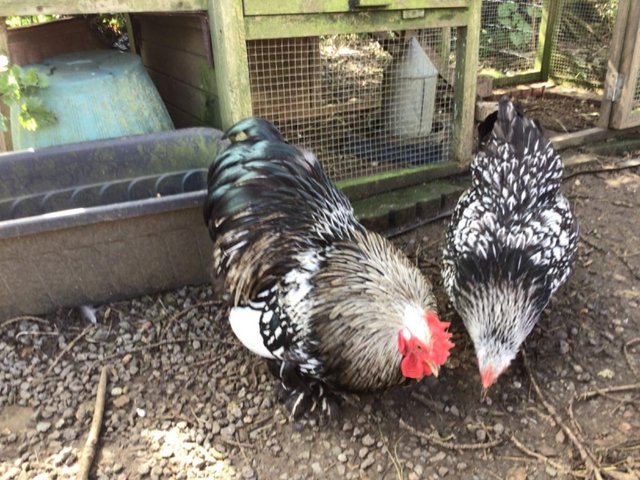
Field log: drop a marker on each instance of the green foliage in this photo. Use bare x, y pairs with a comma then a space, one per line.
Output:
20, 87
512, 28
13, 22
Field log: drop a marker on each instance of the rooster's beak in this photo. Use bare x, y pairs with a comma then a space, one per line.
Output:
435, 369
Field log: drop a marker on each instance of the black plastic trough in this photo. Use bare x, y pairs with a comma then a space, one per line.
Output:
100, 221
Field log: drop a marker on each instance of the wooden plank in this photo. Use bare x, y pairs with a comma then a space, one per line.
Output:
363, 187
180, 95
630, 69
269, 26
65, 7
548, 25
231, 62
517, 79
575, 139
184, 66
468, 44
613, 64
178, 36
261, 7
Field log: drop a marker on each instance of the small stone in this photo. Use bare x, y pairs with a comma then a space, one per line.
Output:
166, 452
560, 437
461, 466
316, 468
121, 401
564, 347
413, 476
144, 469
363, 452
367, 462
552, 472
442, 471
498, 428
438, 457
117, 468
228, 431
43, 427
454, 411
12, 473
341, 470
247, 472
342, 458
368, 440
481, 435
126, 359
116, 391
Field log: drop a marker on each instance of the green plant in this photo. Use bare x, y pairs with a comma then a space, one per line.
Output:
19, 87
518, 26
13, 22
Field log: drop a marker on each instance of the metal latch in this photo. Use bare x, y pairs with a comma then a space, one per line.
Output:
615, 82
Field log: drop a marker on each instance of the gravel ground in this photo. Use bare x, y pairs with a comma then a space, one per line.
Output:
185, 400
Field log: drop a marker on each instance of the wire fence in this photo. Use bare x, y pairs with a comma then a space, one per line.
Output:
509, 35
363, 103
581, 41
636, 96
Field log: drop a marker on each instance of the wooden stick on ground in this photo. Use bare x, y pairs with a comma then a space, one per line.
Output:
89, 450
68, 347
450, 445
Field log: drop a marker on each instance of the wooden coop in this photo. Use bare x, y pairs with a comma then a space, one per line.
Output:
379, 90
582, 53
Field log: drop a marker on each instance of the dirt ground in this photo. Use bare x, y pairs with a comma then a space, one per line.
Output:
185, 400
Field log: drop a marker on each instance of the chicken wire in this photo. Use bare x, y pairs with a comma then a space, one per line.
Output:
344, 98
509, 35
581, 40
636, 96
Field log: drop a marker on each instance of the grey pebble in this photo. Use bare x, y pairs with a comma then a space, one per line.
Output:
368, 440
43, 427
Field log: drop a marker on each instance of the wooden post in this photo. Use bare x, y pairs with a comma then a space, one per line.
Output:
613, 63
621, 113
5, 137
230, 60
548, 27
467, 51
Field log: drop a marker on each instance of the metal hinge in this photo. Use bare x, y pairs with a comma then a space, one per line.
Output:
614, 88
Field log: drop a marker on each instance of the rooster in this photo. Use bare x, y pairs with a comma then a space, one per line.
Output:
330, 304
512, 239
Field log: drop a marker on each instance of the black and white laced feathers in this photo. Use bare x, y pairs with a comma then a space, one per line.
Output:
511, 241
309, 287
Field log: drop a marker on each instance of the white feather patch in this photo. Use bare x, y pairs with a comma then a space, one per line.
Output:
245, 323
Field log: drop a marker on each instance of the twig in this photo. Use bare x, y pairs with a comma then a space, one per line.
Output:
558, 466
604, 391
89, 450
632, 163
183, 312
68, 347
627, 357
23, 318
160, 344
449, 445
396, 232
587, 457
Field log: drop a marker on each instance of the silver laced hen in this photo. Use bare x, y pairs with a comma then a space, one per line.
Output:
330, 304
512, 239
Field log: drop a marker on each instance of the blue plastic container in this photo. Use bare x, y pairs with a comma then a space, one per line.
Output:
94, 95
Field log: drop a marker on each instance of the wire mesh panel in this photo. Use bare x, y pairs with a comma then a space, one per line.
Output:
581, 41
509, 35
363, 103
636, 96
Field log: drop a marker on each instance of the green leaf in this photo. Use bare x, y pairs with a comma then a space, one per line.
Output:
505, 10
33, 114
